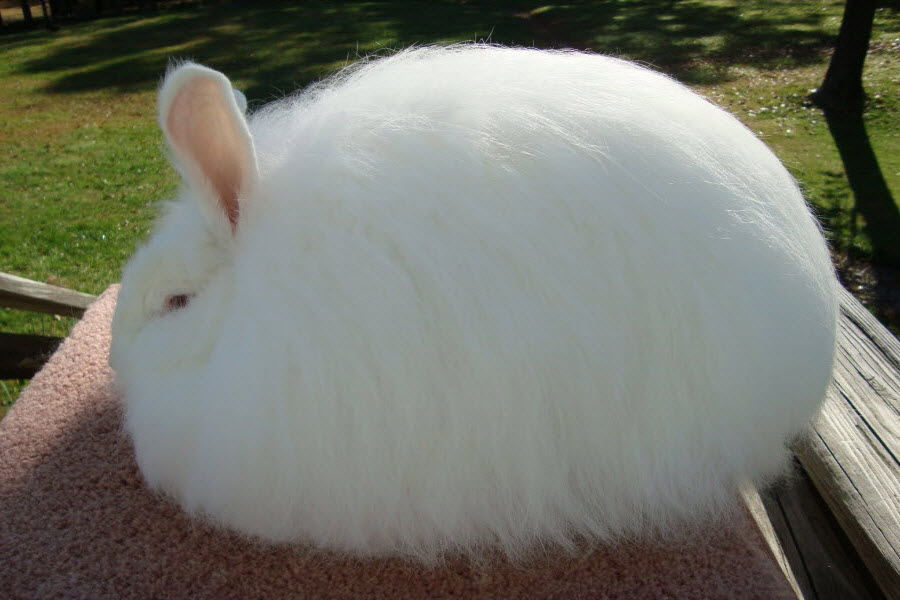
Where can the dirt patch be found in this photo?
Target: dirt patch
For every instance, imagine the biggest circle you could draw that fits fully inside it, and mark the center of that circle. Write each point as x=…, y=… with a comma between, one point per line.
x=876, y=286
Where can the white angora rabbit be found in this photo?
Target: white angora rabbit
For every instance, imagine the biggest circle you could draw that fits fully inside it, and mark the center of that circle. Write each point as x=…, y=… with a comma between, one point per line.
x=468, y=298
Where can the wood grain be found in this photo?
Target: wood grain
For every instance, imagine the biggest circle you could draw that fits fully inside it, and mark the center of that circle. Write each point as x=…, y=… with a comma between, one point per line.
x=770, y=525
x=820, y=556
x=851, y=452
x=25, y=294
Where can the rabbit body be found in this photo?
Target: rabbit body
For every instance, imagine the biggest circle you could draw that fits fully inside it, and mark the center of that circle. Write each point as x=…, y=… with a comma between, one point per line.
x=477, y=297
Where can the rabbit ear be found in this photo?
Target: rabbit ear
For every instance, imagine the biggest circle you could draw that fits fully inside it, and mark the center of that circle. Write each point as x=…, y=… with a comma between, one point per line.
x=206, y=129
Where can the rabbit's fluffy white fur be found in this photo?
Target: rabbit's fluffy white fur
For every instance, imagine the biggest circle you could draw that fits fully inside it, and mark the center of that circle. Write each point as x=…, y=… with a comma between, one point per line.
x=473, y=298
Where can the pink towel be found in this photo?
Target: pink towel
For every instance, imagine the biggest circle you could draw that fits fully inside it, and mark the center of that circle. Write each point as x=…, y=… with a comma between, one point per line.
x=77, y=522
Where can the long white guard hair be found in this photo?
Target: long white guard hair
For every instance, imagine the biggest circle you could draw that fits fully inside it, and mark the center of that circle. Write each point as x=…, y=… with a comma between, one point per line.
x=470, y=298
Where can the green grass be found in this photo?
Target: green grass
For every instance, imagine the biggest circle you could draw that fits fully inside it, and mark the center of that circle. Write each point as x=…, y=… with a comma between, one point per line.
x=80, y=156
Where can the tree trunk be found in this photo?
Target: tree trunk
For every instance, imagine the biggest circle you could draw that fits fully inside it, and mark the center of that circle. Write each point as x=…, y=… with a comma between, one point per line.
x=842, y=88
x=26, y=12
x=48, y=19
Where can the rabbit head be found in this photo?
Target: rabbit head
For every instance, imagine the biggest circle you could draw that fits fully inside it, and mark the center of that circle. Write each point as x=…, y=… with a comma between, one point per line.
x=188, y=260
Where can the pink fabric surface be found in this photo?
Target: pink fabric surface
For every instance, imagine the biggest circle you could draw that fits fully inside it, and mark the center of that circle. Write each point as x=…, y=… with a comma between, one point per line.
x=77, y=522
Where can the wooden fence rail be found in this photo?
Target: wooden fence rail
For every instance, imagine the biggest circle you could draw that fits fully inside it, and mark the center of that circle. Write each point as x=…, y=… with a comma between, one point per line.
x=22, y=355
x=25, y=294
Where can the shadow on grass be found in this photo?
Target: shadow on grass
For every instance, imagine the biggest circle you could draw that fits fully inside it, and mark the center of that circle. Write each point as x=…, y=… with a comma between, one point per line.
x=269, y=47
x=872, y=197
x=272, y=46
x=699, y=41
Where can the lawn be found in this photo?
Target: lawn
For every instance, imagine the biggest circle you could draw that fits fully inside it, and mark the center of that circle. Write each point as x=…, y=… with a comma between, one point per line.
x=81, y=166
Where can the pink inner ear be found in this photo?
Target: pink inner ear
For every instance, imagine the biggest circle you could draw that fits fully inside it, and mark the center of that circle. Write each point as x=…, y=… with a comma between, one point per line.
x=202, y=128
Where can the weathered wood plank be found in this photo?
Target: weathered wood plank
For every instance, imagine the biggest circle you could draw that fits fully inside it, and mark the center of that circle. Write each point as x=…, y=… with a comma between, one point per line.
x=21, y=355
x=820, y=556
x=852, y=453
x=18, y=292
x=765, y=521
x=874, y=330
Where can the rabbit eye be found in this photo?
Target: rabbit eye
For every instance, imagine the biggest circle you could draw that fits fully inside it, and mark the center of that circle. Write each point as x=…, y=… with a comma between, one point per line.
x=177, y=302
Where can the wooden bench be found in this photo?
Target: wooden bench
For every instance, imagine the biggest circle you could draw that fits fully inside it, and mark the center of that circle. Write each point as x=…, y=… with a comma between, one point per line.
x=836, y=523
